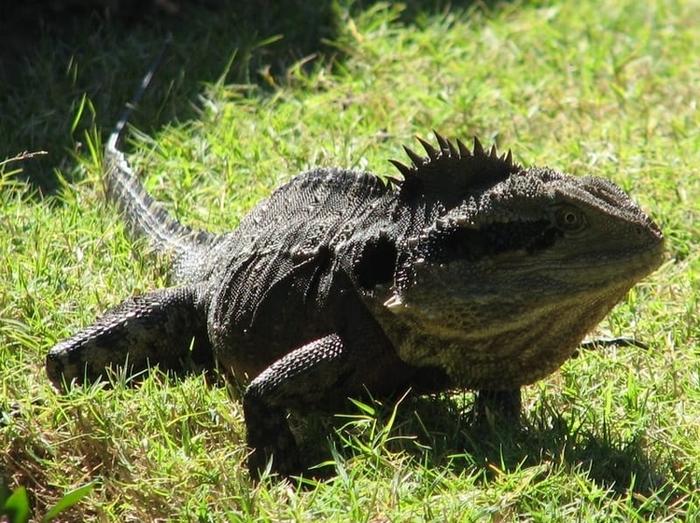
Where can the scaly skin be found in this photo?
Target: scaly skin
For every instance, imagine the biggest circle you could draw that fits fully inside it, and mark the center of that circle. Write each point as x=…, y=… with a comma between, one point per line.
x=471, y=272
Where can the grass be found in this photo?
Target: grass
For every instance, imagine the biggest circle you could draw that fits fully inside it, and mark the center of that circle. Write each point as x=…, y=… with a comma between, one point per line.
x=604, y=88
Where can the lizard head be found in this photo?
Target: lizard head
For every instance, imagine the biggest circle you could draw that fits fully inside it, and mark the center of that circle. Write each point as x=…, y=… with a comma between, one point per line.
x=507, y=245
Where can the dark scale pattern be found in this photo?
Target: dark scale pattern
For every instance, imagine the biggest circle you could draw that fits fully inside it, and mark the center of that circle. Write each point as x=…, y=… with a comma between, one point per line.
x=471, y=272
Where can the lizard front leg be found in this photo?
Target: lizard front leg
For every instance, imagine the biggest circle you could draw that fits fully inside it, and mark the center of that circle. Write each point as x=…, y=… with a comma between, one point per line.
x=504, y=404
x=298, y=379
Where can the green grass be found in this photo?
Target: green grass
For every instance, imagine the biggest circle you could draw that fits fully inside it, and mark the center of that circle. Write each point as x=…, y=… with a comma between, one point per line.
x=604, y=88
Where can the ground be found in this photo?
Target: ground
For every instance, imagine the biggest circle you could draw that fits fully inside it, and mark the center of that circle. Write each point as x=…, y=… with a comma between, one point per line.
x=246, y=99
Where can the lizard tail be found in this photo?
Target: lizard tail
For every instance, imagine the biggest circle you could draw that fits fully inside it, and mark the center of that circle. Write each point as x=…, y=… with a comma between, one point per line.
x=144, y=215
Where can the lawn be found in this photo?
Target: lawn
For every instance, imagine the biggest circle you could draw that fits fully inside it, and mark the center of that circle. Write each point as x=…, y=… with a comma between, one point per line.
x=245, y=99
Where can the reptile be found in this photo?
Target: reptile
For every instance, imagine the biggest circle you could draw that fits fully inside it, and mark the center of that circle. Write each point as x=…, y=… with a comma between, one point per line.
x=465, y=271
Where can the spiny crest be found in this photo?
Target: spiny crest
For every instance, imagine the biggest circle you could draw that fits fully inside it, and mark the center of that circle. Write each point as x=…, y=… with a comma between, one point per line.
x=450, y=172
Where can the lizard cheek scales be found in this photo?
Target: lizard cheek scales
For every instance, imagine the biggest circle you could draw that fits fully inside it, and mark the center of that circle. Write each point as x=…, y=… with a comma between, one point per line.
x=470, y=272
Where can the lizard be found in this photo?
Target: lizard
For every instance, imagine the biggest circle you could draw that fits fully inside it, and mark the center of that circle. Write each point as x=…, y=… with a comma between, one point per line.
x=466, y=271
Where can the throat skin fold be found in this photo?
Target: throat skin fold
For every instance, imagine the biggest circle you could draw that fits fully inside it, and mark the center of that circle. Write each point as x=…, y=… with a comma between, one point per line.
x=481, y=353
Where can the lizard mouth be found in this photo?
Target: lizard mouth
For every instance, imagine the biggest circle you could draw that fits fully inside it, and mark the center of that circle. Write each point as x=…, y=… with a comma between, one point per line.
x=637, y=261
x=634, y=263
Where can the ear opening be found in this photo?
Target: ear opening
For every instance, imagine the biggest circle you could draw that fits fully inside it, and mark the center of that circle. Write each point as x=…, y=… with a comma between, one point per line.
x=377, y=263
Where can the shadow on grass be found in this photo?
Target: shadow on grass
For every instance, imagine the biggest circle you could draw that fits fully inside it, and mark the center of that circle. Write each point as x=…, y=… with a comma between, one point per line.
x=64, y=74
x=72, y=75
x=439, y=433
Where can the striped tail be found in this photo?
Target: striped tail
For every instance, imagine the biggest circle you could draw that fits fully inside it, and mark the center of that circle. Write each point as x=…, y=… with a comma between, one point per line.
x=144, y=215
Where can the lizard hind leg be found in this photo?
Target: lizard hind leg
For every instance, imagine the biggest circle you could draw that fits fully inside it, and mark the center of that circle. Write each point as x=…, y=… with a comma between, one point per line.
x=164, y=327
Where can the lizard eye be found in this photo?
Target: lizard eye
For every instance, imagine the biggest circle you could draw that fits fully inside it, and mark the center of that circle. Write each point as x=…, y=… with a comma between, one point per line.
x=570, y=219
